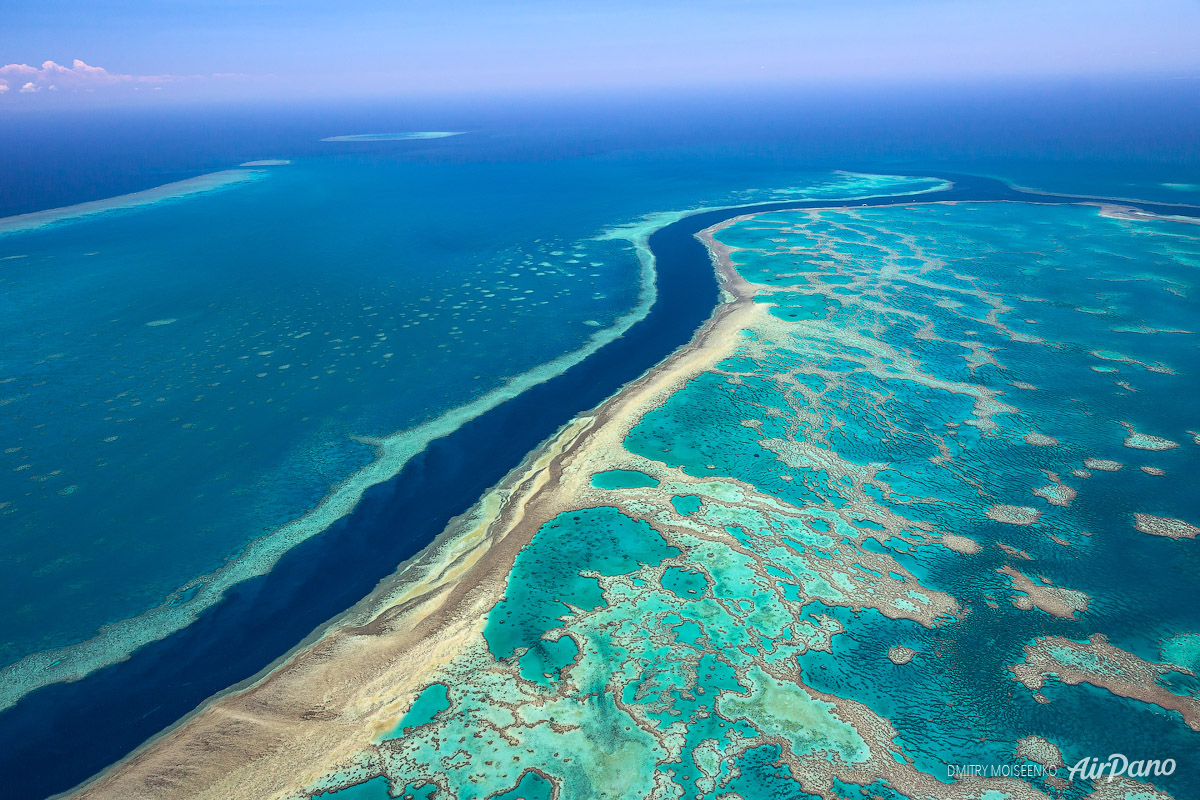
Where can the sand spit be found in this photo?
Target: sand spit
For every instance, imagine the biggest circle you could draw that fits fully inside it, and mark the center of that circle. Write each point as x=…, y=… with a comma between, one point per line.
x=169, y=191
x=309, y=714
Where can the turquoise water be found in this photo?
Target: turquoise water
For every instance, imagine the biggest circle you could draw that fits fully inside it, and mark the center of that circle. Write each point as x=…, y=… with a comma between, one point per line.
x=597, y=540
x=424, y=709
x=931, y=461
x=622, y=479
x=687, y=504
x=191, y=387
x=374, y=789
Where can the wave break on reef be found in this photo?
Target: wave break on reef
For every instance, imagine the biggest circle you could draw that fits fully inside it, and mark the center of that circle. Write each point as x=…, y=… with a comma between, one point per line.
x=115, y=642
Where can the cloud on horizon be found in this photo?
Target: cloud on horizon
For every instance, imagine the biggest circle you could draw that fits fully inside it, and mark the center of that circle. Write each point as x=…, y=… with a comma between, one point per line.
x=79, y=77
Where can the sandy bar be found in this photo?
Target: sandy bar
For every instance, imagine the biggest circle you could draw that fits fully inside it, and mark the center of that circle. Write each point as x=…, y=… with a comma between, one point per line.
x=169, y=191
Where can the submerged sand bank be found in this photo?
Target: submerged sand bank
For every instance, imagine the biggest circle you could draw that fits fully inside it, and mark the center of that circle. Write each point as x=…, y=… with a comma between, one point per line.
x=169, y=191
x=392, y=137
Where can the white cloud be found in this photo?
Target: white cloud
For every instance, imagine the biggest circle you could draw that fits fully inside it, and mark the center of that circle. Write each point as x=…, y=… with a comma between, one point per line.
x=3, y=86
x=80, y=76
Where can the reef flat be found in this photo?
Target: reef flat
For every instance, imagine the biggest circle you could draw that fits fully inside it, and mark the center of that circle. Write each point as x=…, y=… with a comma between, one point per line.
x=200, y=184
x=391, y=137
x=881, y=530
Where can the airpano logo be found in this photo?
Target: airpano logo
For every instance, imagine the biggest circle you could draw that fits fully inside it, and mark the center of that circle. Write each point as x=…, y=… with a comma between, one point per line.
x=1091, y=768
x=1088, y=768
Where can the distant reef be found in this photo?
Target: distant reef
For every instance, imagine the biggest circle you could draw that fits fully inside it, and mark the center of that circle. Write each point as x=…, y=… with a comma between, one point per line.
x=389, y=137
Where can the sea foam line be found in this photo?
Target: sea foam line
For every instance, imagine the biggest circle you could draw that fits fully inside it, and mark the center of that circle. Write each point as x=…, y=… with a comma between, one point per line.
x=116, y=641
x=209, y=182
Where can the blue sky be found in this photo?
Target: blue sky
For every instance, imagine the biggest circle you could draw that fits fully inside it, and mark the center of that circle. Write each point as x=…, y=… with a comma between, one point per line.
x=217, y=48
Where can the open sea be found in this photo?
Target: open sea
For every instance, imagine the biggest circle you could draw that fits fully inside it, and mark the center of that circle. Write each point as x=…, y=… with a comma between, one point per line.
x=231, y=406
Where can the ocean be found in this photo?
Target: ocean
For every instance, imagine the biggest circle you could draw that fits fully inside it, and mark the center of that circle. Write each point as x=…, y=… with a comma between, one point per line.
x=196, y=389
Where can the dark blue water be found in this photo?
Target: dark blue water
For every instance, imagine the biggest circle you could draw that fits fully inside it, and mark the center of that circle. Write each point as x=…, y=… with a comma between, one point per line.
x=1061, y=135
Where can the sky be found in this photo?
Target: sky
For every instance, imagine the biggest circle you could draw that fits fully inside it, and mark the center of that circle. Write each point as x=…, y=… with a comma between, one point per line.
x=81, y=51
